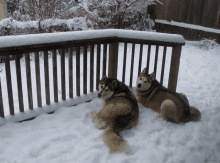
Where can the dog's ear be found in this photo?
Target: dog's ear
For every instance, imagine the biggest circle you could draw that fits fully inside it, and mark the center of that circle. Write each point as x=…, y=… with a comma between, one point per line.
x=152, y=76
x=144, y=71
x=115, y=83
x=104, y=78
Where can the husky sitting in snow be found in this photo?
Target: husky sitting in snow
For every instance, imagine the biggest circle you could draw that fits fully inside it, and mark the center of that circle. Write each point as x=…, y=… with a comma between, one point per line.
x=120, y=112
x=172, y=106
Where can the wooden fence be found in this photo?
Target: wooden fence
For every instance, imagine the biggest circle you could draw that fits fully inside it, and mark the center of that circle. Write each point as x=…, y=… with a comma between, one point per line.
x=199, y=12
x=189, y=32
x=26, y=44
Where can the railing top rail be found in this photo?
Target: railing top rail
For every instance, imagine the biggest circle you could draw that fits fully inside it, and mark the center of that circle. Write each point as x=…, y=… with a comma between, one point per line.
x=44, y=41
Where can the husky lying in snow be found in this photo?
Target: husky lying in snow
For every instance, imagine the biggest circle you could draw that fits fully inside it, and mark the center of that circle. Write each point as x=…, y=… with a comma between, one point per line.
x=120, y=112
x=172, y=106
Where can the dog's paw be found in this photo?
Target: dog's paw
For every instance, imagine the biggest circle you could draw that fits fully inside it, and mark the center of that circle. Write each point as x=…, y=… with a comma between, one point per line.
x=101, y=124
x=159, y=116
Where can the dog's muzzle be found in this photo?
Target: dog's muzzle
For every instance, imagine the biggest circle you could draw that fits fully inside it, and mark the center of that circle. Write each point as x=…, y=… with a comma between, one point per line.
x=100, y=93
x=139, y=85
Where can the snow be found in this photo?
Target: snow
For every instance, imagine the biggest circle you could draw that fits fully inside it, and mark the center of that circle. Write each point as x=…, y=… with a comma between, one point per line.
x=77, y=23
x=69, y=135
x=191, y=26
x=19, y=40
x=16, y=24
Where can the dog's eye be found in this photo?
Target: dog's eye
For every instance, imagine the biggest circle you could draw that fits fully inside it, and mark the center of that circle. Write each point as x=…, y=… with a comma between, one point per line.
x=101, y=87
x=145, y=81
x=140, y=78
x=106, y=90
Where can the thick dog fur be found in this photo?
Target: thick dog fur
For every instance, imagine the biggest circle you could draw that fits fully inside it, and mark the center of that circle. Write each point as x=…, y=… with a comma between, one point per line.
x=172, y=106
x=120, y=112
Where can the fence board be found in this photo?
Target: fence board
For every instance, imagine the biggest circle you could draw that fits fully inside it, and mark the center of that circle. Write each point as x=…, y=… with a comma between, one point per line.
x=85, y=69
x=132, y=65
x=104, y=59
x=63, y=81
x=91, y=67
x=98, y=67
x=148, y=58
x=1, y=102
x=124, y=62
x=113, y=60
x=70, y=50
x=9, y=86
x=19, y=83
x=28, y=77
x=46, y=75
x=38, y=81
x=55, y=85
x=140, y=59
x=155, y=61
x=163, y=64
x=78, y=71
x=174, y=68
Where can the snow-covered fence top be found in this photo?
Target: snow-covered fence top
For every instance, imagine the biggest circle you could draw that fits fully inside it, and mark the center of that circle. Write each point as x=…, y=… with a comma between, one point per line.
x=191, y=26
x=9, y=44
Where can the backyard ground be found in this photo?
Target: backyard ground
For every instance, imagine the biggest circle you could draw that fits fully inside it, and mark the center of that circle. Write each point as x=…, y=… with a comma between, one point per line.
x=68, y=135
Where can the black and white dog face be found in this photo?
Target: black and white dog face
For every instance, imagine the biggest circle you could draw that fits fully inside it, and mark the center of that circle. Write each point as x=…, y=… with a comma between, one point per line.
x=106, y=88
x=144, y=80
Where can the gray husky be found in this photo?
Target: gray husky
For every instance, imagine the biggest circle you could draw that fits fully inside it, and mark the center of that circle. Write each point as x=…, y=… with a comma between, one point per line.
x=120, y=112
x=172, y=106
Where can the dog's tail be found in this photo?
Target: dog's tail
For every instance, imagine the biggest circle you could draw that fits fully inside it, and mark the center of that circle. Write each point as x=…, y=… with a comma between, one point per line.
x=114, y=141
x=195, y=114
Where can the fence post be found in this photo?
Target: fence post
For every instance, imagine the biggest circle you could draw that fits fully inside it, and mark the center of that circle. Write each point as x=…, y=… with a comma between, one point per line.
x=174, y=68
x=113, y=60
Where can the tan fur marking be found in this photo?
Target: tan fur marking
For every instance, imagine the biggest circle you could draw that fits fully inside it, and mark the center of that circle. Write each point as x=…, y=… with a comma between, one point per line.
x=115, y=142
x=117, y=106
x=169, y=111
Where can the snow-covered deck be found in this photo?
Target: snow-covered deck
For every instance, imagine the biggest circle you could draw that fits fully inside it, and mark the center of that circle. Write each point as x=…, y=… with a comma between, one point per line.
x=27, y=44
x=69, y=136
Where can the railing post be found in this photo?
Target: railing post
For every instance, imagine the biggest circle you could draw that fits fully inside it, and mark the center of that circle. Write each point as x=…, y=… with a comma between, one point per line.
x=113, y=60
x=174, y=67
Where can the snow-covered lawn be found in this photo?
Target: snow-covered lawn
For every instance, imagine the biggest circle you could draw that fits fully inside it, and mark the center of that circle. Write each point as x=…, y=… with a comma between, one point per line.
x=68, y=135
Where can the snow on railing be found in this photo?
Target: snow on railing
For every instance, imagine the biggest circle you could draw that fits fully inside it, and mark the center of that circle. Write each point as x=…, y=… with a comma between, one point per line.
x=51, y=42
x=76, y=36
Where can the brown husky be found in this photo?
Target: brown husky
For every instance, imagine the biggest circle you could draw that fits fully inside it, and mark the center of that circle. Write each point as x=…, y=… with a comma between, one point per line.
x=120, y=112
x=172, y=106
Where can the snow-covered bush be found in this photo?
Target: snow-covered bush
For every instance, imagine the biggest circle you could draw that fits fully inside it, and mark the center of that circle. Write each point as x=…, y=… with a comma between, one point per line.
x=101, y=14
x=122, y=14
x=10, y=26
x=40, y=9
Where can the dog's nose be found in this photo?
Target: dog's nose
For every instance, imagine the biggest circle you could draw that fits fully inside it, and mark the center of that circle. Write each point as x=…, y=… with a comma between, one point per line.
x=139, y=85
x=99, y=95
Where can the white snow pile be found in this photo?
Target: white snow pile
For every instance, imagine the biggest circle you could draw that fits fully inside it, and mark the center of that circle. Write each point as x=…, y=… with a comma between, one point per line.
x=205, y=44
x=68, y=135
x=12, y=23
x=77, y=23
x=22, y=27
